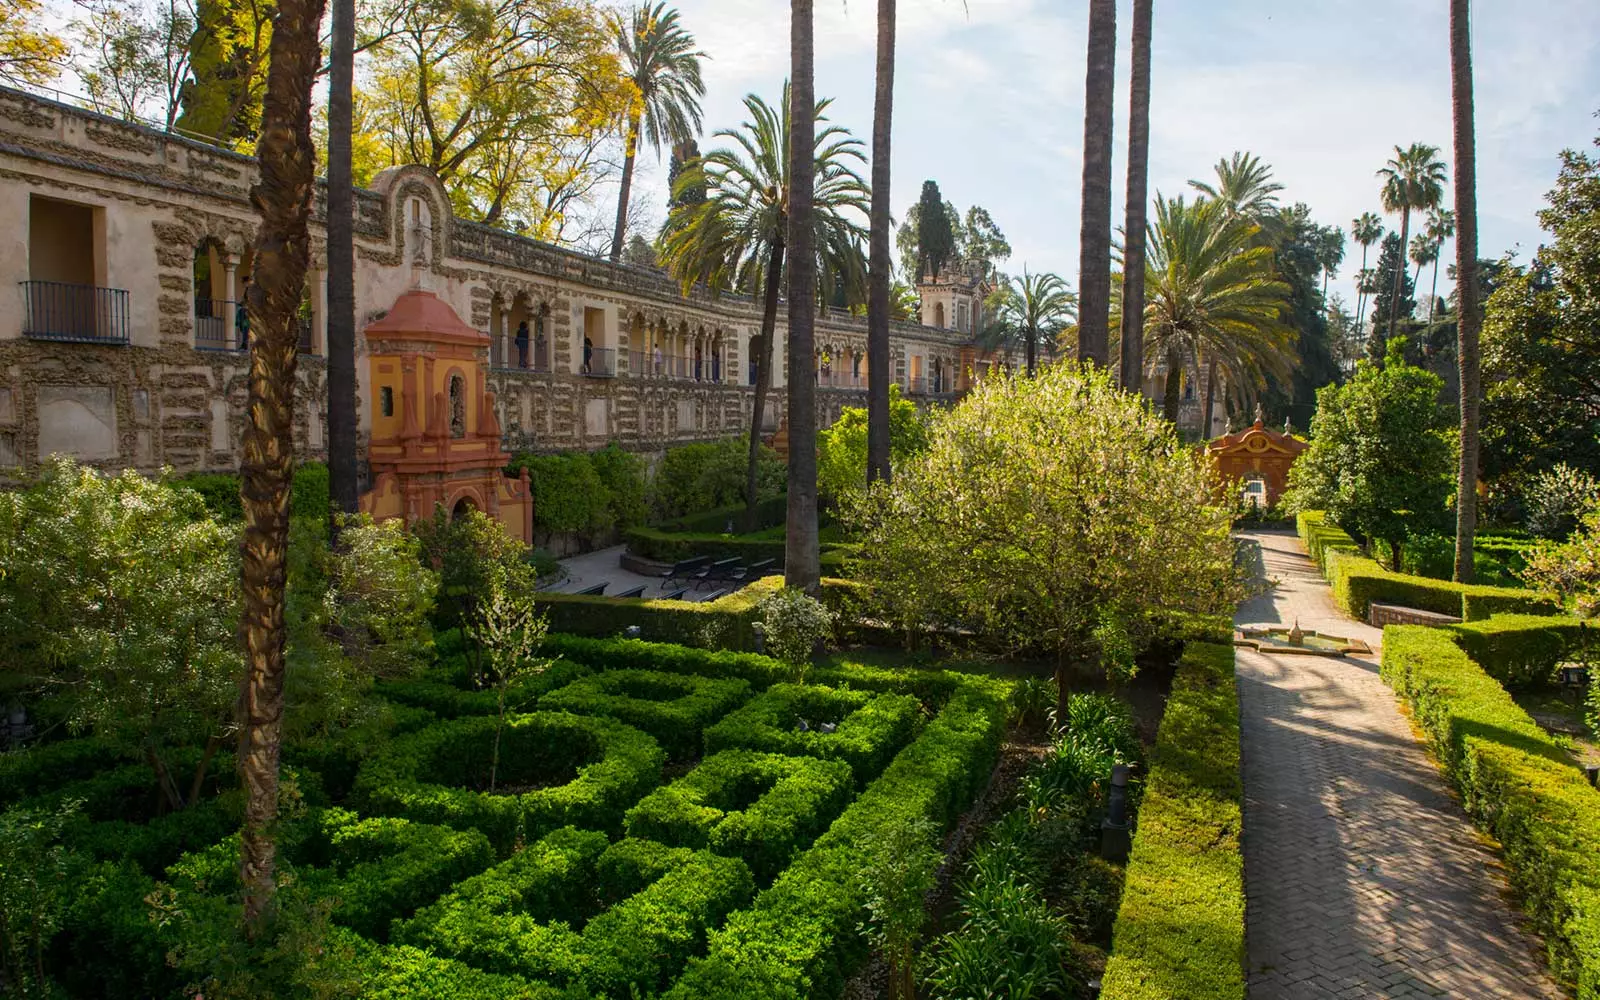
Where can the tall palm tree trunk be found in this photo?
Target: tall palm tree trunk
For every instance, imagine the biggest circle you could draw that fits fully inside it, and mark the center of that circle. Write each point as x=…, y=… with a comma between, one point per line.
x=1399, y=275
x=629, y=154
x=1030, y=339
x=283, y=199
x=1172, y=396
x=1132, y=373
x=1361, y=290
x=1433, y=295
x=769, y=324
x=1211, y=398
x=1094, y=236
x=878, y=265
x=341, y=347
x=801, y=566
x=1467, y=324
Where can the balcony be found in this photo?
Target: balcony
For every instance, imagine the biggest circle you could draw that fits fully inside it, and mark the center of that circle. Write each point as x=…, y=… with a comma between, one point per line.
x=81, y=314
x=211, y=326
x=308, y=340
x=599, y=362
x=647, y=364
x=534, y=357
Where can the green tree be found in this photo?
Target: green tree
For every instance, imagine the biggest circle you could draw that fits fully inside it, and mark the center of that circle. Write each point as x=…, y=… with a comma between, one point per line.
x=1094, y=234
x=29, y=51
x=1571, y=569
x=1441, y=227
x=738, y=236
x=507, y=624
x=137, y=59
x=1365, y=230
x=842, y=448
x=467, y=552
x=1380, y=455
x=1044, y=509
x=897, y=879
x=119, y=606
x=1244, y=185
x=1390, y=278
x=1330, y=253
x=1299, y=248
x=379, y=597
x=981, y=240
x=1030, y=311
x=663, y=65
x=1413, y=180
x=228, y=59
x=1215, y=301
x=38, y=882
x=934, y=231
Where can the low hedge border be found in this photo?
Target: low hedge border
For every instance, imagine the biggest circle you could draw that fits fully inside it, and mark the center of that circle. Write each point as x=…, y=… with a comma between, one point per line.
x=638, y=654
x=1522, y=651
x=419, y=776
x=795, y=798
x=447, y=699
x=500, y=921
x=769, y=513
x=871, y=728
x=1358, y=581
x=676, y=546
x=725, y=621
x=1180, y=928
x=674, y=708
x=382, y=869
x=388, y=972
x=799, y=941
x=1518, y=785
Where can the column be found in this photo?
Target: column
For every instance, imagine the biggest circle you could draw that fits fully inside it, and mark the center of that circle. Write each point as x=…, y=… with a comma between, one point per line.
x=230, y=329
x=319, y=309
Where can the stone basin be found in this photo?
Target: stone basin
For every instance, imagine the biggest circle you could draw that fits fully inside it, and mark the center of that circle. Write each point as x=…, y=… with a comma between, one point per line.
x=1312, y=643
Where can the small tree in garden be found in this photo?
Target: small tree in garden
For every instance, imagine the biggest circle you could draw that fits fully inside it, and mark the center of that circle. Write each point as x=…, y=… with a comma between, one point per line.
x=1052, y=514
x=379, y=597
x=119, y=607
x=36, y=887
x=1571, y=569
x=467, y=551
x=793, y=623
x=897, y=880
x=507, y=626
x=1380, y=461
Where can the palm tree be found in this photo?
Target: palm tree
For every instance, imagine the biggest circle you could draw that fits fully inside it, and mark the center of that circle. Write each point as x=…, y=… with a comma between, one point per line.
x=1215, y=302
x=1330, y=254
x=1244, y=185
x=1031, y=311
x=1412, y=179
x=802, y=568
x=737, y=237
x=1441, y=227
x=341, y=346
x=1094, y=235
x=1132, y=353
x=1423, y=252
x=664, y=66
x=1469, y=319
x=880, y=269
x=283, y=198
x=1365, y=230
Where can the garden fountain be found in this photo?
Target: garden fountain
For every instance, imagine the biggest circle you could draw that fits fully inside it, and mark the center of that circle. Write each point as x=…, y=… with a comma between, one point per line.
x=1295, y=641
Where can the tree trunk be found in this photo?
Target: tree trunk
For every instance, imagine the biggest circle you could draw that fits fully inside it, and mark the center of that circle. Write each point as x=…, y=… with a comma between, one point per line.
x=1469, y=318
x=1172, y=398
x=1094, y=236
x=1399, y=278
x=879, y=264
x=282, y=197
x=1132, y=373
x=1029, y=350
x=769, y=324
x=1433, y=296
x=341, y=347
x=1211, y=396
x=1361, y=294
x=630, y=151
x=801, y=567
x=213, y=744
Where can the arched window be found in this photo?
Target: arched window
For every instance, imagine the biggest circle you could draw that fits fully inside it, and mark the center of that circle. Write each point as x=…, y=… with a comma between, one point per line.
x=938, y=315
x=458, y=406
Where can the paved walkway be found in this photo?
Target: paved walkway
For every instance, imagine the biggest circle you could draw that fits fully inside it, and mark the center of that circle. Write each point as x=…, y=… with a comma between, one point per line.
x=1363, y=876
x=605, y=566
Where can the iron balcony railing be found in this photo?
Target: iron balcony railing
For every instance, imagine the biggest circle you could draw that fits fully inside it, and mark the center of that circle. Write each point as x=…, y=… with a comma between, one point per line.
x=85, y=314
x=599, y=362
x=505, y=354
x=211, y=325
x=648, y=364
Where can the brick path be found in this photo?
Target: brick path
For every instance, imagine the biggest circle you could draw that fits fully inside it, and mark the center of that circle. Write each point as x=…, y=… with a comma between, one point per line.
x=1363, y=876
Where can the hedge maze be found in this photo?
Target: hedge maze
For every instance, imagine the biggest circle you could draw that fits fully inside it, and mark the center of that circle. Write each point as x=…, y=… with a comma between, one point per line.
x=660, y=821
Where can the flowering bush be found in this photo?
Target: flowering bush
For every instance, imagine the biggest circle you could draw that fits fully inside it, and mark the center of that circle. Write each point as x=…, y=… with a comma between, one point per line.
x=794, y=624
x=1571, y=569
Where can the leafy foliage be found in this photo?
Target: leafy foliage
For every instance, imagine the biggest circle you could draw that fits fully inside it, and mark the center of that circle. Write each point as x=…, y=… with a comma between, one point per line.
x=897, y=879
x=379, y=597
x=29, y=51
x=569, y=493
x=622, y=474
x=702, y=476
x=228, y=60
x=1558, y=498
x=1571, y=569
x=842, y=448
x=36, y=877
x=795, y=624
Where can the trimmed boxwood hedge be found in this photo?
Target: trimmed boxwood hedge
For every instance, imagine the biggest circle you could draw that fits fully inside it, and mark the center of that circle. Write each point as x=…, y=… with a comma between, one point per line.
x=871, y=727
x=388, y=972
x=674, y=708
x=1518, y=785
x=686, y=622
x=436, y=775
x=441, y=694
x=676, y=546
x=769, y=513
x=1358, y=581
x=382, y=869
x=44, y=768
x=761, y=807
x=538, y=914
x=800, y=940
x=1180, y=927
x=605, y=654
x=1522, y=651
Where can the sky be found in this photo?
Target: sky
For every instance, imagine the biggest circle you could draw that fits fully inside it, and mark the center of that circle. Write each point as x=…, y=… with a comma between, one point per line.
x=989, y=101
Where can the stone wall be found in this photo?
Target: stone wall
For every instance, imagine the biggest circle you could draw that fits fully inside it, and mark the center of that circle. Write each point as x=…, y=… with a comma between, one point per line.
x=159, y=400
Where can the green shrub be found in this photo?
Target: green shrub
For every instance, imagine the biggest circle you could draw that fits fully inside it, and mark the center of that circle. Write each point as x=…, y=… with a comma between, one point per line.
x=1358, y=581
x=870, y=728
x=220, y=491
x=799, y=940
x=387, y=972
x=761, y=807
x=1522, y=651
x=451, y=701
x=382, y=869
x=674, y=708
x=794, y=625
x=591, y=769
x=622, y=473
x=674, y=546
x=760, y=671
x=701, y=476
x=1518, y=785
x=309, y=496
x=771, y=511
x=38, y=769
x=1180, y=929
x=725, y=621
x=568, y=494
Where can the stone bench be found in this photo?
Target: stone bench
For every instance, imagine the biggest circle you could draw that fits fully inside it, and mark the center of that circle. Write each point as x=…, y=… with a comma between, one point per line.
x=1380, y=614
